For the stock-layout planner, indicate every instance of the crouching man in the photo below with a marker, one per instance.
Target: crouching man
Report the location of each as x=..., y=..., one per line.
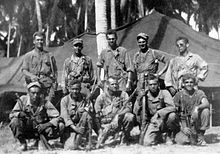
x=33, y=117
x=76, y=111
x=157, y=117
x=193, y=108
x=113, y=109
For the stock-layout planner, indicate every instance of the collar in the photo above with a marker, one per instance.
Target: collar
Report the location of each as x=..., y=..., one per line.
x=76, y=59
x=154, y=99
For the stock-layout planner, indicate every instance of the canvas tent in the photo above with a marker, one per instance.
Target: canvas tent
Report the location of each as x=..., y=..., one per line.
x=163, y=32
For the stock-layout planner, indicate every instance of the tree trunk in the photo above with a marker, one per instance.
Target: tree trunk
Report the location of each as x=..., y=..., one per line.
x=140, y=8
x=101, y=27
x=101, y=24
x=113, y=14
x=39, y=19
x=86, y=16
x=48, y=36
x=19, y=47
x=8, y=43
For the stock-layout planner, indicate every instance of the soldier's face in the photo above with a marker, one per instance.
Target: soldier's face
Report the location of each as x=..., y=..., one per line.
x=113, y=85
x=111, y=40
x=182, y=46
x=189, y=84
x=153, y=85
x=39, y=42
x=34, y=93
x=142, y=43
x=77, y=48
x=75, y=90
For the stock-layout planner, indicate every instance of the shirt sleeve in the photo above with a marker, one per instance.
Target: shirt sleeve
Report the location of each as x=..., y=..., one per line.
x=64, y=111
x=202, y=69
x=176, y=101
x=160, y=56
x=99, y=104
x=25, y=63
x=128, y=63
x=168, y=76
x=54, y=65
x=17, y=109
x=52, y=113
x=168, y=99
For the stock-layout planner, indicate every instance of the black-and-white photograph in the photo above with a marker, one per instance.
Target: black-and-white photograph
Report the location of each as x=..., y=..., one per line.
x=109, y=76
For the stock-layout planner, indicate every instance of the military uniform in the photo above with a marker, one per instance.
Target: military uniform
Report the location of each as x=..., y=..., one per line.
x=25, y=128
x=185, y=105
x=160, y=115
x=107, y=106
x=192, y=63
x=42, y=65
x=117, y=64
x=145, y=63
x=78, y=113
x=78, y=68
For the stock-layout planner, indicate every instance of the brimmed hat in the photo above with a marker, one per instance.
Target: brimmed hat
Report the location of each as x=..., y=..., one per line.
x=142, y=35
x=33, y=84
x=77, y=41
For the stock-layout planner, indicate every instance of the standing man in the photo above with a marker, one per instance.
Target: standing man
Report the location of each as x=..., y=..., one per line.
x=116, y=62
x=76, y=112
x=146, y=60
x=78, y=67
x=159, y=116
x=186, y=62
x=40, y=65
x=113, y=109
x=33, y=116
x=193, y=108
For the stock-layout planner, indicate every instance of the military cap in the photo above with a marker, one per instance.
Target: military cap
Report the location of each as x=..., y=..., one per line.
x=142, y=35
x=73, y=82
x=38, y=33
x=34, y=84
x=77, y=41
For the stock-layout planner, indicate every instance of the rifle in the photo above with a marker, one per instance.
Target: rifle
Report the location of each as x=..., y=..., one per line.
x=186, y=116
x=110, y=127
x=144, y=126
x=43, y=140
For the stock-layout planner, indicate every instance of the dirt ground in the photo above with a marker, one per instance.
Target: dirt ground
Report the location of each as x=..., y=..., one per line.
x=9, y=145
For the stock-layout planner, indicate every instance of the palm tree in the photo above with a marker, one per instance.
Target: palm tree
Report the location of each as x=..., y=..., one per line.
x=101, y=24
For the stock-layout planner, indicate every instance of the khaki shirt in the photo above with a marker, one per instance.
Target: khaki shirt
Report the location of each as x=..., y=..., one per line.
x=192, y=63
x=69, y=108
x=40, y=64
x=115, y=64
x=108, y=105
x=77, y=67
x=154, y=104
x=24, y=105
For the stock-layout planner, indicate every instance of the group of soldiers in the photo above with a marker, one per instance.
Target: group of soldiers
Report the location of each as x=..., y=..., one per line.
x=130, y=94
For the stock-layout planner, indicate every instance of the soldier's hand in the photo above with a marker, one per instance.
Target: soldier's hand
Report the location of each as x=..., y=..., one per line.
x=78, y=130
x=42, y=127
x=172, y=90
x=22, y=115
x=187, y=131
